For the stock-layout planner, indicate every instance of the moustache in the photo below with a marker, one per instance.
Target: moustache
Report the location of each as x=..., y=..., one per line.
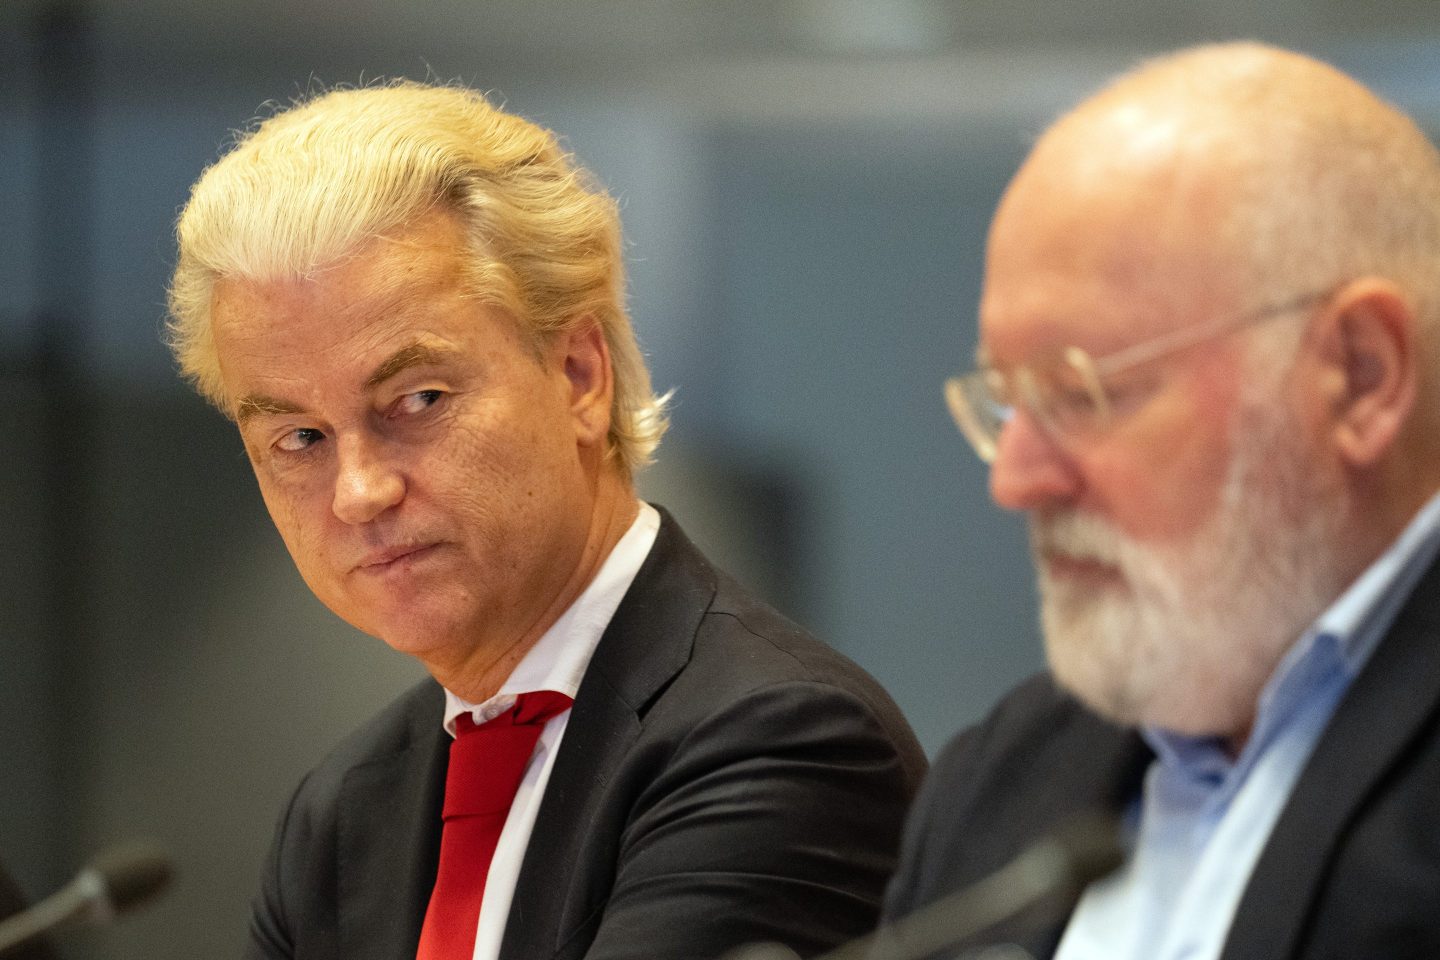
x=1079, y=537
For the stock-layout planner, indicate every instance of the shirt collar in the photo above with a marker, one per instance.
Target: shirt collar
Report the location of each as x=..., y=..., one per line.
x=559, y=658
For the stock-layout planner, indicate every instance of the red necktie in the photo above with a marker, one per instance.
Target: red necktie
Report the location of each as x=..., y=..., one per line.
x=487, y=763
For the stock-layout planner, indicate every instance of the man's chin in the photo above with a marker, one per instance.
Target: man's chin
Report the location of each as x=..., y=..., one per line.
x=1099, y=687
x=1116, y=688
x=1118, y=700
x=423, y=645
x=403, y=631
x=1100, y=652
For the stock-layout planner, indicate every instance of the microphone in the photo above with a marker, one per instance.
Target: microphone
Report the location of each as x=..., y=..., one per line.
x=117, y=880
x=1065, y=862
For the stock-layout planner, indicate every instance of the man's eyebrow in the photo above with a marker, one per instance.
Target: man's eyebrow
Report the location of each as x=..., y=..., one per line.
x=414, y=355
x=256, y=405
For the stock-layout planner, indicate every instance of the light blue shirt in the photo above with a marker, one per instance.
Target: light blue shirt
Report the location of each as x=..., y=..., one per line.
x=1202, y=817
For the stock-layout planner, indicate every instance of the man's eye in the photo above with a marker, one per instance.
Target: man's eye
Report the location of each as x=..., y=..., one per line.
x=1128, y=393
x=297, y=441
x=1077, y=401
x=1072, y=408
x=417, y=402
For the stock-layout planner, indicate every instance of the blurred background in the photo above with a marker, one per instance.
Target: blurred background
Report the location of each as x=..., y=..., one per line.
x=805, y=185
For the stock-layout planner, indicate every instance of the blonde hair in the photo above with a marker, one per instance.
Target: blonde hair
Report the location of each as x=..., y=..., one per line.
x=313, y=182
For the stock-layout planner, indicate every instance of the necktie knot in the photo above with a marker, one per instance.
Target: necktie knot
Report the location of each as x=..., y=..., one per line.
x=537, y=707
x=488, y=760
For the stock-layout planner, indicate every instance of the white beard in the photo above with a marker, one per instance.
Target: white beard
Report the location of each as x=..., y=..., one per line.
x=1189, y=638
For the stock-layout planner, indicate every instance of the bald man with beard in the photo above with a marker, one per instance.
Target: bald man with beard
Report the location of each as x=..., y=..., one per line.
x=1209, y=375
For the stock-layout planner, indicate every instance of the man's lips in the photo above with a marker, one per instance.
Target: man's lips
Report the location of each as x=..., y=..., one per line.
x=1071, y=567
x=378, y=561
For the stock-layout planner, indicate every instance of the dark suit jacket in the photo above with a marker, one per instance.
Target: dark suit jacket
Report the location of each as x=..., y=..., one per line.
x=724, y=777
x=1351, y=871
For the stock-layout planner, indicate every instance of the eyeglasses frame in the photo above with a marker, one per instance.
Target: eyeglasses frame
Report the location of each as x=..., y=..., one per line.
x=1094, y=371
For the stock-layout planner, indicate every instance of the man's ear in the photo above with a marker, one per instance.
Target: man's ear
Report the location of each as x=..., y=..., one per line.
x=1369, y=348
x=585, y=358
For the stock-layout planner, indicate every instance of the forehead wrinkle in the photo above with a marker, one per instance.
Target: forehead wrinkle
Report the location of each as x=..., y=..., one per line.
x=386, y=278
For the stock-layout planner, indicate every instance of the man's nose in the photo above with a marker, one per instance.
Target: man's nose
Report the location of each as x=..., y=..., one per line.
x=1030, y=470
x=366, y=482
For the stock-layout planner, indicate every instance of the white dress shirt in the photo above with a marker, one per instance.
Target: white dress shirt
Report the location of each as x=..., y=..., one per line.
x=556, y=662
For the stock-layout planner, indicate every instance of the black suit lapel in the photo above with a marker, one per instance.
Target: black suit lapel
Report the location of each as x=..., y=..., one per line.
x=647, y=642
x=1115, y=765
x=388, y=843
x=1039, y=762
x=1392, y=699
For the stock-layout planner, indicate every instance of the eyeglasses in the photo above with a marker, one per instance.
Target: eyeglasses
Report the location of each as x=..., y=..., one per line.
x=1072, y=394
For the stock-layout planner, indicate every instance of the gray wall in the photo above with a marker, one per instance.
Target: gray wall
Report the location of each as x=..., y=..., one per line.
x=805, y=187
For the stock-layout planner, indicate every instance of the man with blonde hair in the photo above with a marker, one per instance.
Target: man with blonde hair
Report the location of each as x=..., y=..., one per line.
x=1210, y=375
x=411, y=304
